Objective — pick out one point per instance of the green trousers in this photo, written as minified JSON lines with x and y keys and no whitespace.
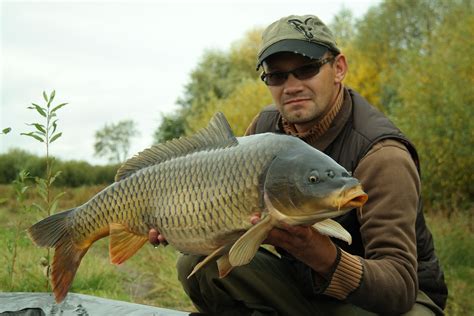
{"x":266,"y":286}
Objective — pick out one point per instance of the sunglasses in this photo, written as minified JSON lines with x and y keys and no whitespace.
{"x":304,"y":72}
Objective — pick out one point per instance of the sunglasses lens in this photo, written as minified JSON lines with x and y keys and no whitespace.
{"x":276,"y":78}
{"x":306,"y":72}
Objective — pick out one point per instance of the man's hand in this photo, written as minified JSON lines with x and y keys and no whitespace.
{"x":156,"y":239}
{"x":305,"y":244}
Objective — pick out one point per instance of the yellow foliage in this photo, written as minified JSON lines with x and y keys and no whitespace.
{"x":243,"y":54}
{"x":363,"y":75}
{"x":240,"y":107}
{"x":437,"y":99}
{"x":247,"y":94}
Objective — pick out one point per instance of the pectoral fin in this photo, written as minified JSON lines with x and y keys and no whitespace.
{"x":224,"y":266}
{"x":245,"y":248}
{"x":332,"y":228}
{"x":123,"y":243}
{"x":206,"y":260}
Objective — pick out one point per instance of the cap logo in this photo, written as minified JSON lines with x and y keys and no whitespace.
{"x":303,"y":27}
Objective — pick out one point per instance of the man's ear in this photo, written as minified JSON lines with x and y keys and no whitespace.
{"x":340,"y":66}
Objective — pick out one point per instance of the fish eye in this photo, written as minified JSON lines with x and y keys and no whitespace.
{"x":330,"y":173}
{"x":314,"y":177}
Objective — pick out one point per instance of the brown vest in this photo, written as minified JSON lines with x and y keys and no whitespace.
{"x":365,"y":127}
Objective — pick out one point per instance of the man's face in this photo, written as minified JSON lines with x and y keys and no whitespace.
{"x":302,"y":102}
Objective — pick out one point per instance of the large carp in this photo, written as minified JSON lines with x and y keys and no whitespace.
{"x":200,"y":192}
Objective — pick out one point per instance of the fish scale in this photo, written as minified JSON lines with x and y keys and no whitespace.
{"x":226,"y":212}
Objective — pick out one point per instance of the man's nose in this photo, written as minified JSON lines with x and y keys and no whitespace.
{"x":292,"y":85}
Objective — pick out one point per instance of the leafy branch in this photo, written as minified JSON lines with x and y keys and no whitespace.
{"x":46,"y":132}
{"x":6,"y":130}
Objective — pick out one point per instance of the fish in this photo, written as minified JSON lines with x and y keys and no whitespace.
{"x":200,"y":193}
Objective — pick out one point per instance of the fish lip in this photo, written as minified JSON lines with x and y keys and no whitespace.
{"x":353,"y":197}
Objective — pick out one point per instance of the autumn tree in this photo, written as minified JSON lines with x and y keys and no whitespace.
{"x":381,"y":42}
{"x":240,"y":107}
{"x":113,"y":140}
{"x":436,"y":106}
{"x":411,"y":59}
{"x":217,"y":76}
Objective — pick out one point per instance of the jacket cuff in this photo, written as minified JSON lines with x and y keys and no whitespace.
{"x":346,"y":277}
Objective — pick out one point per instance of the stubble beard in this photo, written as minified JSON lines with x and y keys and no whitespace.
{"x":300,"y":116}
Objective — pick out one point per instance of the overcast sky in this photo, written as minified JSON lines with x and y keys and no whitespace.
{"x":116,"y":60}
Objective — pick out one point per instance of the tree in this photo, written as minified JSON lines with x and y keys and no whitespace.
{"x":436,"y":108}
{"x":343,"y":26}
{"x":172,"y":126}
{"x":216,"y":77}
{"x":113,"y":141}
{"x":382,"y":41}
{"x":240,"y":107}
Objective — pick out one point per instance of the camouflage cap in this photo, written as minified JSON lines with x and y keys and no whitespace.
{"x":306,"y":35}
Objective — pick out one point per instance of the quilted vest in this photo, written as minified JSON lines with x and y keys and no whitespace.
{"x":365,"y":127}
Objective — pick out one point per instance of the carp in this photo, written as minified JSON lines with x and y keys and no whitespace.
{"x":200,"y":192}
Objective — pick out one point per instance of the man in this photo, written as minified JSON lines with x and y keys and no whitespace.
{"x":390,"y":268}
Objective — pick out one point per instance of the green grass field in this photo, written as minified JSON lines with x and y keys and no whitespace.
{"x":149,"y":277}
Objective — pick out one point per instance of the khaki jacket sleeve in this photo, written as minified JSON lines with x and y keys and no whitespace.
{"x":385,"y":281}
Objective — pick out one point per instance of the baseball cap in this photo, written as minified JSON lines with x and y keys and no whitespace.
{"x":301,"y":34}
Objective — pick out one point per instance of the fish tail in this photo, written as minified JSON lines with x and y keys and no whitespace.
{"x":55,"y":232}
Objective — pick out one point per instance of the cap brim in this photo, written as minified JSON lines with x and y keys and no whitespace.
{"x":305,"y":48}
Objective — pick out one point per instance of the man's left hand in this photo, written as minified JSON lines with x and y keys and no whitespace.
{"x":305,"y":244}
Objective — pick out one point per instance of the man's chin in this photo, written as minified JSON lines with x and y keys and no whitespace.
{"x":298,"y":117}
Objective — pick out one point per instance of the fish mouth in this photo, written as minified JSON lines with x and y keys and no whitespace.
{"x":353,"y":197}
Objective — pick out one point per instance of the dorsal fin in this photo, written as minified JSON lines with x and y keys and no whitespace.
{"x":217,"y":134}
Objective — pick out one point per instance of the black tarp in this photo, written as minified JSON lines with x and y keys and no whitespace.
{"x":33,"y":304}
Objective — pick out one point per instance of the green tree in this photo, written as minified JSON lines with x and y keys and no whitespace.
{"x":172,"y":126}
{"x":206,"y":81}
{"x":343,"y":26}
{"x":382,"y":41}
{"x":240,"y":107}
{"x":113,"y":140}
{"x":219,"y":72}
{"x":436,"y":104}
{"x":217,"y":76}
{"x":411,"y":59}
{"x":238,"y":68}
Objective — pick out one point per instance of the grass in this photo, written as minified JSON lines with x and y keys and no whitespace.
{"x":150,"y":277}
{"x":454,"y":242}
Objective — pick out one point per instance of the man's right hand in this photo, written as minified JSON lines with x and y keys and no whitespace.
{"x":156,"y":239}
